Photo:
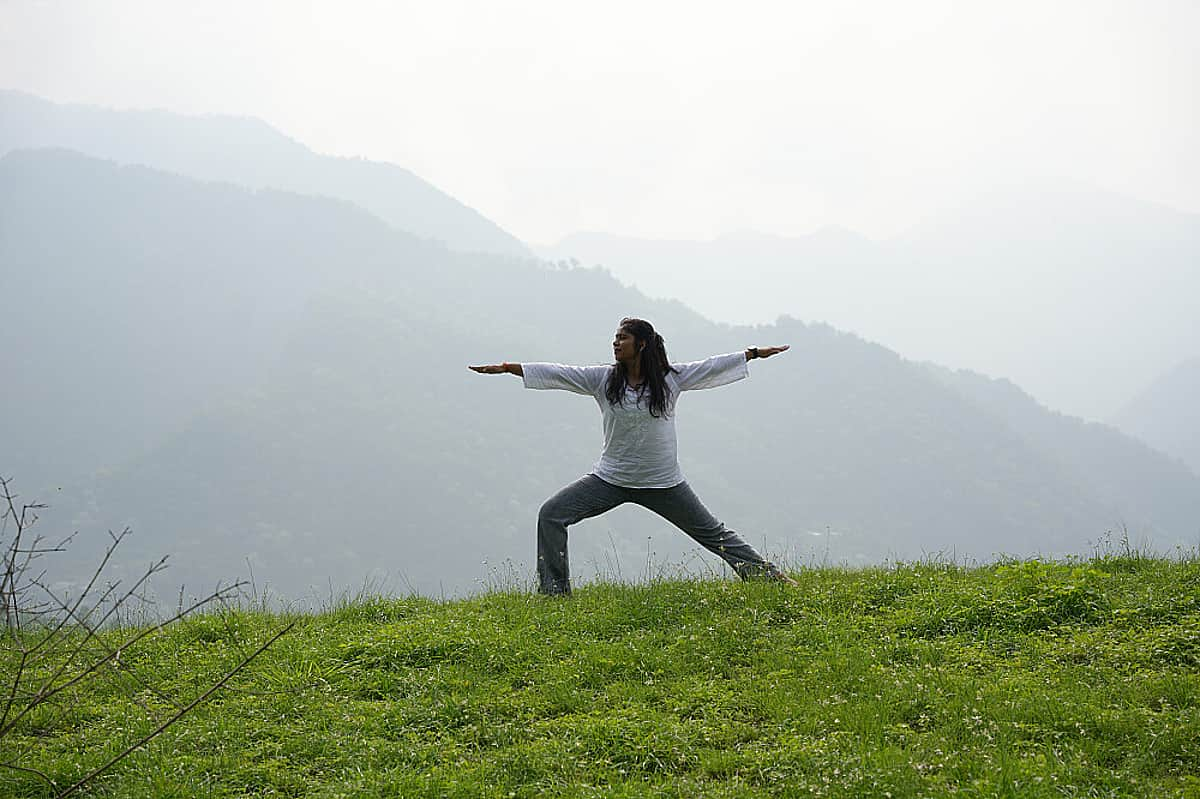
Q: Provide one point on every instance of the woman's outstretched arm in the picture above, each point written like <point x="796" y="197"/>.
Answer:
<point x="505" y="368"/>
<point x="720" y="370"/>
<point x="577" y="379"/>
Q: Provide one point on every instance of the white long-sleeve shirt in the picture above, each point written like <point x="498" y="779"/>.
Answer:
<point x="640" y="450"/>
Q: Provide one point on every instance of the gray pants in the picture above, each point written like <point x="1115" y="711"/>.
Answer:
<point x="590" y="496"/>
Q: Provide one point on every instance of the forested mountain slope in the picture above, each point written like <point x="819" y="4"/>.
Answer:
<point x="1166" y="414"/>
<point x="261" y="376"/>
<point x="248" y="152"/>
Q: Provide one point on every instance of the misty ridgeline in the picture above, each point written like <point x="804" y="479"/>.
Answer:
<point x="254" y="357"/>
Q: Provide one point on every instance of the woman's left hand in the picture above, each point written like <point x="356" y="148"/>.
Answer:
<point x="767" y="352"/>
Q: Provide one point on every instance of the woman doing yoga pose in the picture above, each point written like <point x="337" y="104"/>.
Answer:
<point x="639" y="464"/>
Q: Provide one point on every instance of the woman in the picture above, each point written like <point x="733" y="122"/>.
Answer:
<point x="639" y="464"/>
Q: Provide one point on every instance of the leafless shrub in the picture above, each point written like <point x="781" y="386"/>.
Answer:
<point x="53" y="644"/>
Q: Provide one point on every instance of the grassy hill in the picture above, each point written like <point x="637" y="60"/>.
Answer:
<point x="1030" y="679"/>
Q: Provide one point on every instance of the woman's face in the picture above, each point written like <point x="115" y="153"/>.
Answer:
<point x="625" y="348"/>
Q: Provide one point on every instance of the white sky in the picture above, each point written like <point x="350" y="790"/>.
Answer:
<point x="665" y="119"/>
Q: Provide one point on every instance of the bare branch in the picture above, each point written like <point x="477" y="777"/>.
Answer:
<point x="47" y="692"/>
<point x="160" y="728"/>
<point x="114" y="654"/>
<point x="28" y="770"/>
<point x="16" y="684"/>
<point x="91" y="629"/>
<point x="72" y="638"/>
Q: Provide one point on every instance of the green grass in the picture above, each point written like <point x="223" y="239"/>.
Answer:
<point x="1012" y="680"/>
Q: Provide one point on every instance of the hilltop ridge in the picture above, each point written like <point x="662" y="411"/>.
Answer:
<point x="1031" y="679"/>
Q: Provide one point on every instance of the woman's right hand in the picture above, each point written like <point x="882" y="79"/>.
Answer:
<point x="498" y="369"/>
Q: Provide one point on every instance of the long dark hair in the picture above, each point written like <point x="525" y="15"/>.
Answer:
<point x="654" y="364"/>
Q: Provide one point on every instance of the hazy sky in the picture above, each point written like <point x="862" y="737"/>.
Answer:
<point x="665" y="119"/>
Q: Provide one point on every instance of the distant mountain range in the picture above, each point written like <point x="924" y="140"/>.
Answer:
<point x="248" y="152"/>
<point x="281" y="379"/>
<point x="1166" y="414"/>
<point x="1078" y="295"/>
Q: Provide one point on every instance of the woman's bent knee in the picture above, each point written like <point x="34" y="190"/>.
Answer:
<point x="554" y="512"/>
